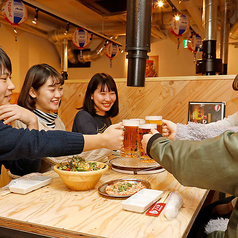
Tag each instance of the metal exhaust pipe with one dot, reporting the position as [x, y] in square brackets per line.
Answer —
[209, 64]
[138, 33]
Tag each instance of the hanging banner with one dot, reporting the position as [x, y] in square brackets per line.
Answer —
[14, 12]
[81, 38]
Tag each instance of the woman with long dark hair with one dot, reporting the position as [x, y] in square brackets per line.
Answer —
[100, 104]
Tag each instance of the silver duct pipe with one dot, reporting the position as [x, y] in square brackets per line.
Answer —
[88, 56]
[58, 36]
[64, 59]
[209, 20]
[209, 65]
[227, 11]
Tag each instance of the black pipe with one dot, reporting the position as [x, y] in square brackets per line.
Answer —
[138, 33]
[209, 65]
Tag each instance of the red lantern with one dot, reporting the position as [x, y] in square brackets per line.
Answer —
[14, 12]
[179, 26]
[112, 50]
[81, 38]
[194, 42]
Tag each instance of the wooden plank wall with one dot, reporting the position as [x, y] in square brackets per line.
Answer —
[168, 97]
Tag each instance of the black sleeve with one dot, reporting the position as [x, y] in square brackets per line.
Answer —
[84, 123]
[22, 143]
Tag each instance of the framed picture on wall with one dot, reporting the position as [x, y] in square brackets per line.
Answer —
[206, 112]
[152, 66]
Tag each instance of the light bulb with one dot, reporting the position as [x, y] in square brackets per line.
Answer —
[160, 4]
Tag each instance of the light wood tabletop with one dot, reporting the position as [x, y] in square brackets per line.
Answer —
[57, 211]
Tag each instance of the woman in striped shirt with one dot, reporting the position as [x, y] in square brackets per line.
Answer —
[41, 93]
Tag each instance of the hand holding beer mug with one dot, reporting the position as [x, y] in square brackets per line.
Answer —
[155, 120]
[144, 129]
[130, 138]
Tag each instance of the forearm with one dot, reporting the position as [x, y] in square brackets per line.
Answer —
[22, 143]
[196, 131]
[93, 142]
[210, 164]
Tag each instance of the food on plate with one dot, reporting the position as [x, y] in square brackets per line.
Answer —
[124, 188]
[79, 164]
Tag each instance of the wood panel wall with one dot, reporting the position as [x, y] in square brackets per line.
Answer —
[167, 97]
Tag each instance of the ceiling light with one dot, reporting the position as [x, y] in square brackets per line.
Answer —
[177, 17]
[35, 20]
[160, 3]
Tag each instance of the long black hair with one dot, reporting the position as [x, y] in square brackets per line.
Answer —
[100, 80]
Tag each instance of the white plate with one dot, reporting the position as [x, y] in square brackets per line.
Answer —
[24, 186]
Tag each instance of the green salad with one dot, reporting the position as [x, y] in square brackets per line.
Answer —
[79, 164]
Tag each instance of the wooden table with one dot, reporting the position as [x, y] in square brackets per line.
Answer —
[57, 211]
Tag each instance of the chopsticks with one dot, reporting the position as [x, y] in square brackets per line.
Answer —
[164, 196]
[158, 206]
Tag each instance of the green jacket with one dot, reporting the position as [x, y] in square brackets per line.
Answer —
[209, 164]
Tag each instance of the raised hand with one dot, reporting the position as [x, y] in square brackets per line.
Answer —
[12, 112]
[169, 129]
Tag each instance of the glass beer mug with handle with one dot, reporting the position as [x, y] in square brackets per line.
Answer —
[130, 148]
[155, 120]
[144, 129]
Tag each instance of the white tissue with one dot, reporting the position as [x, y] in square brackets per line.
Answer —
[219, 224]
[174, 203]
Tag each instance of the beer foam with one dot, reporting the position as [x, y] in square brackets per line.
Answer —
[148, 126]
[128, 122]
[142, 121]
[153, 118]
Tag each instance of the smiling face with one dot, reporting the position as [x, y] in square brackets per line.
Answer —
[48, 96]
[103, 100]
[6, 88]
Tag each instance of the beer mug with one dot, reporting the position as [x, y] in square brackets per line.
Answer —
[144, 129]
[141, 121]
[155, 120]
[130, 138]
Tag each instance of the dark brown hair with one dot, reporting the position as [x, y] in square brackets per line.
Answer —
[37, 76]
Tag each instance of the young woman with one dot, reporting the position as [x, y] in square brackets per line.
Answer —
[41, 93]
[22, 143]
[100, 104]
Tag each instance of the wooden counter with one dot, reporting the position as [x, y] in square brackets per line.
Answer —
[58, 211]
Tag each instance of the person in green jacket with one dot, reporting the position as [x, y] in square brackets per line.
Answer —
[208, 164]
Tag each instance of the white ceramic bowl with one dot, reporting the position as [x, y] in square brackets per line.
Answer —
[81, 180]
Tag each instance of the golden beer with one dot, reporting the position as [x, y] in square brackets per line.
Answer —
[144, 129]
[155, 120]
[130, 138]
